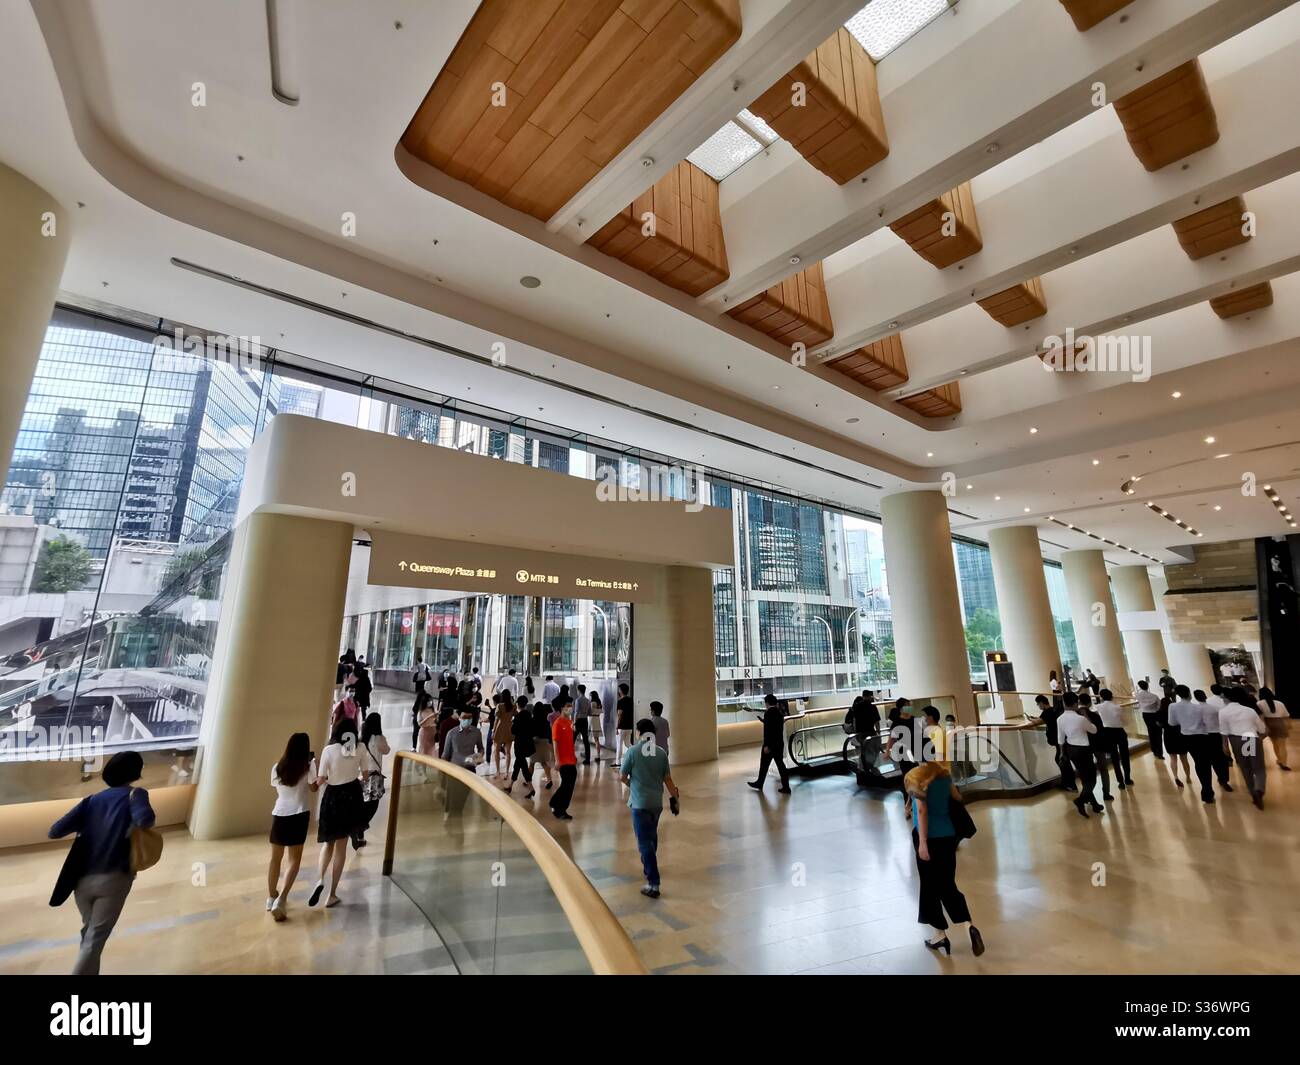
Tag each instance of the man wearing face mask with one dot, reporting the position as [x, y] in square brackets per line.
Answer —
[464, 744]
[565, 757]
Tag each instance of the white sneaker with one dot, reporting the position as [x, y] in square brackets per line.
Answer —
[270, 904]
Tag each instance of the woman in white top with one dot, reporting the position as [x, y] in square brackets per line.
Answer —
[1277, 720]
[294, 779]
[373, 748]
[1053, 683]
[340, 808]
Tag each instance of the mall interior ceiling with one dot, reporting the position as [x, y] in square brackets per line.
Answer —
[802, 315]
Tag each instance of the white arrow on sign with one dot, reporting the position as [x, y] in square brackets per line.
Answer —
[402, 564]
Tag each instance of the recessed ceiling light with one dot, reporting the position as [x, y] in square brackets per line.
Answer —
[528, 281]
[1033, 428]
[777, 387]
[998, 499]
[1217, 507]
[1209, 440]
[929, 454]
[1176, 395]
[1026, 510]
[1096, 462]
[969, 487]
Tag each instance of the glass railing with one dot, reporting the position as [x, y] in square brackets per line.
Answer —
[501, 894]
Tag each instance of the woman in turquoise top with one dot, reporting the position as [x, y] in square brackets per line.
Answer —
[928, 791]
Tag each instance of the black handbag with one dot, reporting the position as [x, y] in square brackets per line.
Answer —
[74, 865]
[962, 823]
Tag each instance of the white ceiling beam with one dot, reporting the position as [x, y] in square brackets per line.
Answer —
[1077, 205]
[775, 35]
[1178, 340]
[1000, 86]
[1116, 291]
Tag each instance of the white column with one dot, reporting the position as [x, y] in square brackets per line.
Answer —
[34, 233]
[929, 638]
[1145, 648]
[1095, 629]
[1028, 628]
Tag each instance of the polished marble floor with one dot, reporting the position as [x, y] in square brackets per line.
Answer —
[819, 881]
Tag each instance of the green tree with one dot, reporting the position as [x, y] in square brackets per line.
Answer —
[983, 633]
[63, 566]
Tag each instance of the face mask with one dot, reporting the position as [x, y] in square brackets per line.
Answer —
[465, 722]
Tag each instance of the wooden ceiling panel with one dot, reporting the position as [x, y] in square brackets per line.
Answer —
[684, 248]
[879, 365]
[1248, 299]
[924, 228]
[1087, 13]
[839, 127]
[941, 401]
[1169, 118]
[1215, 229]
[792, 312]
[1018, 304]
[582, 79]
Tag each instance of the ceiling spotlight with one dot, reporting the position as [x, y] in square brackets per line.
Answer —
[795, 260]
[1033, 428]
[969, 487]
[1176, 395]
[1268, 488]
[929, 454]
[1096, 462]
[1209, 440]
[997, 499]
[528, 281]
[1217, 507]
[1026, 510]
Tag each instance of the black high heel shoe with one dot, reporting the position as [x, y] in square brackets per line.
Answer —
[976, 941]
[944, 945]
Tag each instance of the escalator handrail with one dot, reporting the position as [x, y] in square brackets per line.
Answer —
[608, 948]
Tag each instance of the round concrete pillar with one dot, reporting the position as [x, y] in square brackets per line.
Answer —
[929, 638]
[1028, 629]
[1095, 629]
[34, 235]
[1145, 648]
[1190, 664]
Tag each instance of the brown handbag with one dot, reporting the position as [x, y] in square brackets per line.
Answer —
[146, 848]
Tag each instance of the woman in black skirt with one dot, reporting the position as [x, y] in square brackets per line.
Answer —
[1176, 746]
[294, 779]
[340, 809]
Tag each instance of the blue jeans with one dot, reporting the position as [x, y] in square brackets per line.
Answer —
[646, 825]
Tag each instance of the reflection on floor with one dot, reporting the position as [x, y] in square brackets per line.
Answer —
[822, 880]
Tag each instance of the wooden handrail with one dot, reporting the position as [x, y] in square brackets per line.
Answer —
[606, 944]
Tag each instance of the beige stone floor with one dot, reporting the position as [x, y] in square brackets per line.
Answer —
[820, 881]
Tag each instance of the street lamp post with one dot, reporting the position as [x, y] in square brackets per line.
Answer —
[830, 642]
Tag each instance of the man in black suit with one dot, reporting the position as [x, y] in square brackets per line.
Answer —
[773, 745]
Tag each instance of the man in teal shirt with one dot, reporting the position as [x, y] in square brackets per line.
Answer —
[645, 772]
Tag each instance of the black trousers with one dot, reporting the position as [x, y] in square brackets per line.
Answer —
[1201, 750]
[770, 755]
[1119, 755]
[564, 793]
[1066, 767]
[868, 749]
[580, 729]
[1219, 758]
[1155, 733]
[1100, 754]
[1085, 768]
[521, 768]
[939, 883]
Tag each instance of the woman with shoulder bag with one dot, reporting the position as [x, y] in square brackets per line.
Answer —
[373, 749]
[99, 870]
[939, 822]
[294, 779]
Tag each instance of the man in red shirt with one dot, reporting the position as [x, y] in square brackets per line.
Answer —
[565, 757]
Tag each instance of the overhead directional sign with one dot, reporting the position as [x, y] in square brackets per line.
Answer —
[425, 562]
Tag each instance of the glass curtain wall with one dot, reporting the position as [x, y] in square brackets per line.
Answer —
[116, 513]
[1060, 601]
[979, 605]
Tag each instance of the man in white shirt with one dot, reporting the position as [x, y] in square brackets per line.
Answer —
[1149, 707]
[550, 690]
[1116, 739]
[1243, 729]
[1216, 699]
[1218, 750]
[1072, 731]
[508, 683]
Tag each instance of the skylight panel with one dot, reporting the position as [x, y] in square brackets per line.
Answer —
[883, 25]
[727, 150]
